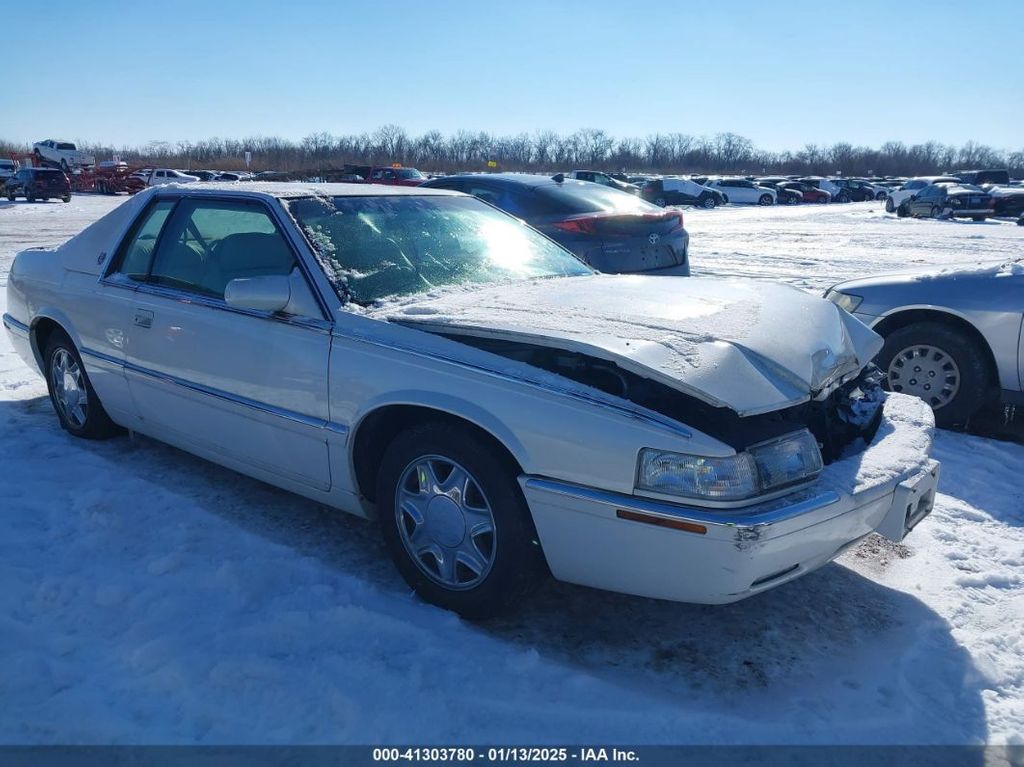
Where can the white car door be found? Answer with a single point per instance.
(242, 387)
(102, 314)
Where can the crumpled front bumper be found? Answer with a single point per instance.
(635, 545)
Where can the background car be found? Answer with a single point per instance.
(597, 177)
(951, 335)
(204, 175)
(7, 169)
(838, 194)
(948, 200)
(856, 190)
(911, 186)
(38, 184)
(1007, 201)
(809, 192)
(786, 196)
(611, 230)
(162, 176)
(681, 191)
(741, 190)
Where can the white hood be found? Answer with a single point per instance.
(751, 346)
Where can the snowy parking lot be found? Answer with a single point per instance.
(151, 597)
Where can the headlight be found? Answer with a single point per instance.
(760, 469)
(845, 301)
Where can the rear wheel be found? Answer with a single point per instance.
(890, 206)
(455, 521)
(902, 211)
(29, 197)
(78, 408)
(939, 364)
(11, 196)
(843, 197)
(765, 199)
(935, 212)
(66, 198)
(661, 202)
(822, 200)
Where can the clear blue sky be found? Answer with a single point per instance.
(780, 73)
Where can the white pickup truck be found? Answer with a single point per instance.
(61, 154)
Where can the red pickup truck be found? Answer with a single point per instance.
(390, 175)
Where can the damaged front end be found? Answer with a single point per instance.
(842, 421)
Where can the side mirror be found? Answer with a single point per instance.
(270, 293)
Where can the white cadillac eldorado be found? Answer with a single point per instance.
(420, 357)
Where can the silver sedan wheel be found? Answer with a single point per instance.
(69, 388)
(926, 372)
(445, 522)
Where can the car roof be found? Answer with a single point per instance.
(524, 179)
(290, 190)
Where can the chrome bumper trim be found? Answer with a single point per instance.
(12, 324)
(757, 516)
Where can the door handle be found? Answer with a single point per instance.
(143, 318)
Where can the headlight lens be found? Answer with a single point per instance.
(758, 470)
(845, 301)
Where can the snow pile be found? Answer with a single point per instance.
(899, 449)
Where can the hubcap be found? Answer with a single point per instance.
(445, 522)
(926, 372)
(69, 388)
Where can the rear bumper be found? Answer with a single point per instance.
(745, 551)
(672, 252)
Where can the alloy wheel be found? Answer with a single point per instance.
(445, 522)
(69, 390)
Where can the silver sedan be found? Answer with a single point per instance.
(952, 335)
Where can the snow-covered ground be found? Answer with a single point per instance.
(147, 596)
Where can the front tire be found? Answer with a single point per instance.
(78, 408)
(66, 198)
(708, 202)
(661, 202)
(890, 206)
(902, 211)
(939, 364)
(844, 197)
(455, 522)
(765, 199)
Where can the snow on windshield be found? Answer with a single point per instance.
(377, 247)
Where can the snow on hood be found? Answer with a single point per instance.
(750, 346)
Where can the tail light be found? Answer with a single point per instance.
(588, 223)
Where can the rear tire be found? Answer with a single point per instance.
(935, 212)
(29, 197)
(843, 197)
(660, 202)
(66, 198)
(902, 211)
(968, 372)
(78, 408)
(419, 515)
(890, 206)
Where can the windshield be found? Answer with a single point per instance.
(376, 247)
(409, 173)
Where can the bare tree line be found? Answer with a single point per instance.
(549, 151)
